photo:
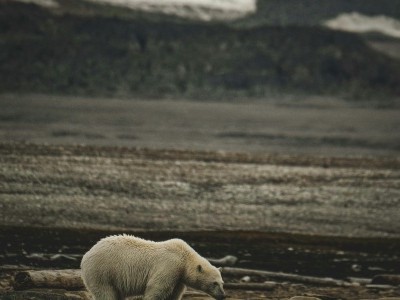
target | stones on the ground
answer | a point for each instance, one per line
(245, 279)
(386, 279)
(356, 267)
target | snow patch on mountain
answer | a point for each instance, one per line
(356, 22)
(45, 3)
(196, 9)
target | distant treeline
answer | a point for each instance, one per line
(71, 54)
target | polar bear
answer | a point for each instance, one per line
(120, 266)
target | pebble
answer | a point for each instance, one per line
(356, 268)
(245, 279)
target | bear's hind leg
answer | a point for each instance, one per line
(105, 292)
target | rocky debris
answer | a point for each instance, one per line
(245, 279)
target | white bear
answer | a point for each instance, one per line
(123, 265)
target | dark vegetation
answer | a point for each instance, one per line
(108, 54)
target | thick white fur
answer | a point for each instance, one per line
(123, 265)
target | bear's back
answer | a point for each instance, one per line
(131, 250)
(128, 241)
(177, 246)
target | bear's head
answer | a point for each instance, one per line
(205, 277)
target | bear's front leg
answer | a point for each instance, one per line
(178, 292)
(105, 292)
(163, 287)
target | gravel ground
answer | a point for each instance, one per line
(94, 187)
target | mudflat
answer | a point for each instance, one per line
(289, 125)
(313, 190)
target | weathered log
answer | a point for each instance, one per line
(359, 280)
(46, 294)
(379, 286)
(267, 286)
(226, 261)
(386, 279)
(284, 276)
(304, 298)
(65, 279)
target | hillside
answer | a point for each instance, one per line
(311, 12)
(152, 56)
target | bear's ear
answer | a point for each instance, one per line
(199, 268)
(220, 269)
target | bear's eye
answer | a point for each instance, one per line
(215, 283)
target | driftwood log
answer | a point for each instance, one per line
(359, 280)
(46, 294)
(71, 279)
(63, 279)
(227, 261)
(284, 276)
(386, 279)
(266, 286)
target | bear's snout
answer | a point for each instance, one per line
(220, 294)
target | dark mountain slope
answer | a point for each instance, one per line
(62, 53)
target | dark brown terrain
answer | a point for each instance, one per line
(310, 215)
(304, 185)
